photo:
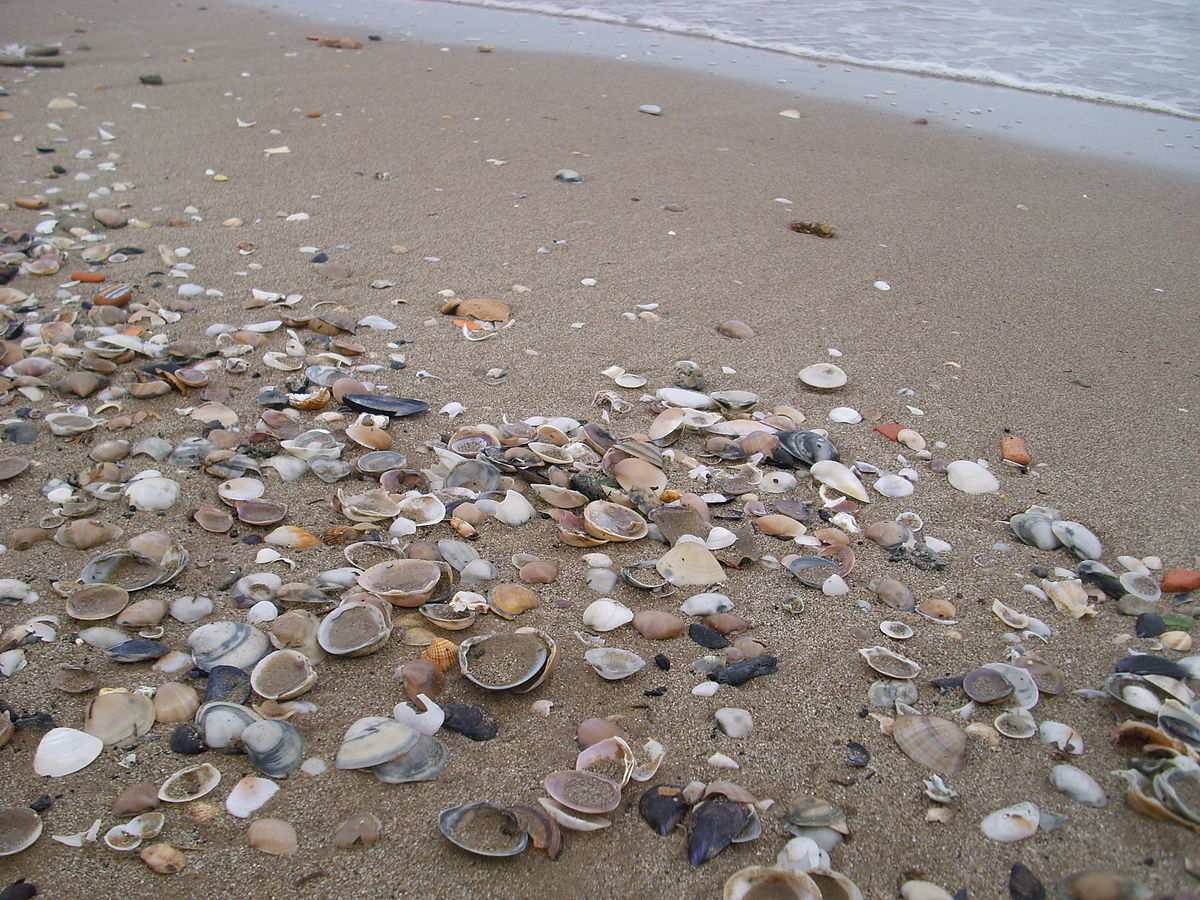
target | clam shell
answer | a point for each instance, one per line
(119, 716)
(832, 473)
(935, 743)
(273, 836)
(584, 792)
(971, 478)
(1078, 539)
(519, 661)
(606, 614)
(282, 675)
(249, 795)
(887, 662)
(175, 702)
(152, 494)
(1015, 723)
(1078, 785)
(1011, 823)
(613, 664)
(228, 644)
(276, 748)
(612, 522)
(689, 563)
(20, 826)
(771, 881)
(354, 629)
(372, 741)
(126, 569)
(483, 828)
(986, 686)
(62, 751)
(222, 723)
(405, 582)
(190, 783)
(93, 602)
(423, 761)
(824, 376)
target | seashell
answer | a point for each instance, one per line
(393, 407)
(606, 614)
(221, 723)
(655, 625)
(423, 761)
(273, 836)
(1025, 691)
(427, 722)
(971, 478)
(510, 600)
(421, 509)
(70, 680)
(1100, 885)
(118, 716)
(584, 792)
(276, 748)
(93, 602)
(62, 751)
(443, 615)
(142, 614)
(313, 443)
(405, 582)
(228, 644)
(1015, 723)
(483, 828)
(824, 376)
(125, 569)
(837, 476)
(265, 512)
(715, 824)
(986, 686)
(297, 630)
(519, 661)
(1078, 785)
(887, 662)
(772, 881)
(1062, 736)
(933, 742)
(292, 536)
(803, 447)
(476, 475)
(151, 494)
(213, 520)
(190, 783)
(613, 664)
(611, 522)
(249, 795)
(83, 534)
(689, 563)
(572, 821)
(282, 675)
(896, 630)
(175, 702)
(354, 629)
(65, 424)
(362, 828)
(235, 489)
(1033, 527)
(374, 740)
(1078, 539)
(1012, 823)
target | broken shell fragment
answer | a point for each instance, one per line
(585, 792)
(483, 828)
(890, 663)
(840, 478)
(613, 664)
(190, 784)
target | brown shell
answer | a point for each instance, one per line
(935, 743)
(442, 653)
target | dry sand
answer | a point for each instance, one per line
(1029, 291)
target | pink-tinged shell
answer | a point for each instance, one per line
(584, 792)
(935, 743)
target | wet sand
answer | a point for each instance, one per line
(1032, 291)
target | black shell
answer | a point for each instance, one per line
(663, 807)
(380, 404)
(715, 823)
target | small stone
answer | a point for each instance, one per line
(62, 103)
(735, 722)
(150, 79)
(1013, 449)
(31, 202)
(736, 329)
(650, 109)
(110, 218)
(1177, 581)
(334, 271)
(570, 176)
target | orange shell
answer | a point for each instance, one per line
(442, 653)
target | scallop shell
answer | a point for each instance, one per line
(935, 743)
(190, 783)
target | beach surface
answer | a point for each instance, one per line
(1028, 291)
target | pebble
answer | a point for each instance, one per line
(569, 176)
(735, 722)
(110, 218)
(650, 109)
(736, 329)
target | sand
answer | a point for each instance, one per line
(1043, 293)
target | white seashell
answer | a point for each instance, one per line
(971, 478)
(706, 689)
(840, 478)
(249, 795)
(1078, 785)
(427, 722)
(422, 509)
(1062, 736)
(570, 820)
(1078, 539)
(262, 611)
(825, 376)
(151, 494)
(685, 398)
(1011, 823)
(845, 415)
(606, 614)
(62, 751)
(12, 661)
(706, 604)
(779, 482)
(602, 581)
(801, 854)
(835, 586)
(719, 538)
(289, 468)
(721, 761)
(894, 486)
(513, 510)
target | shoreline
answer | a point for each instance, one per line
(1077, 125)
(1032, 292)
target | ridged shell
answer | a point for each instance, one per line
(935, 743)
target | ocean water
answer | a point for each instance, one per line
(1134, 53)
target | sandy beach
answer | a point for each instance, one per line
(1028, 291)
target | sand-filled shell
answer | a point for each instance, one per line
(62, 751)
(124, 568)
(519, 661)
(406, 582)
(20, 827)
(119, 716)
(890, 663)
(443, 615)
(297, 630)
(774, 882)
(354, 629)
(613, 663)
(611, 522)
(93, 602)
(282, 675)
(190, 783)
(228, 644)
(986, 686)
(483, 828)
(584, 792)
(933, 742)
